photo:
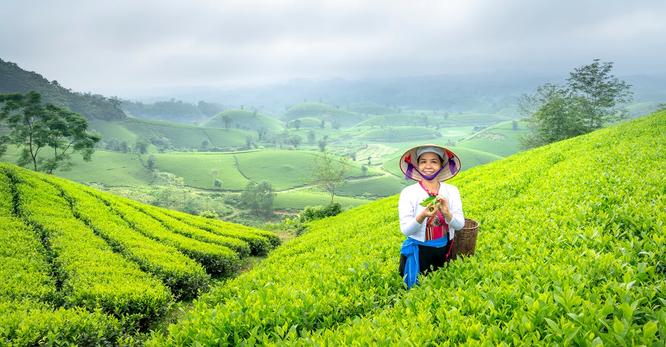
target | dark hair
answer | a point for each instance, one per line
(441, 160)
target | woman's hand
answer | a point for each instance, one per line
(443, 205)
(427, 213)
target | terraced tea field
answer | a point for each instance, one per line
(85, 266)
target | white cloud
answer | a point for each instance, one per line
(116, 47)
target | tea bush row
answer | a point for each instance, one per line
(28, 292)
(260, 243)
(218, 260)
(90, 273)
(182, 275)
(239, 246)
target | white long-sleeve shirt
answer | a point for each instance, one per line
(409, 207)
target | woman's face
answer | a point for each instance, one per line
(429, 163)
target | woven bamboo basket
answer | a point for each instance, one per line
(464, 243)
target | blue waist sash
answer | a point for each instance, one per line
(410, 249)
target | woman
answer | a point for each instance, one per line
(429, 230)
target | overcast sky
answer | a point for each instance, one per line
(124, 47)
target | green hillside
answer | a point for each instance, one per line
(16, 80)
(85, 267)
(399, 134)
(246, 120)
(500, 139)
(284, 169)
(570, 252)
(324, 112)
(170, 136)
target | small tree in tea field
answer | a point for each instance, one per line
(329, 172)
(258, 198)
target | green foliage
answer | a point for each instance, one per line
(171, 110)
(33, 127)
(37, 324)
(84, 267)
(586, 103)
(570, 251)
(311, 213)
(258, 198)
(246, 120)
(92, 106)
(185, 277)
(329, 172)
(217, 259)
(399, 134)
(260, 242)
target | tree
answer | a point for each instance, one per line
(150, 163)
(227, 121)
(34, 126)
(601, 92)
(322, 145)
(329, 172)
(311, 137)
(295, 140)
(258, 198)
(141, 146)
(557, 117)
(587, 102)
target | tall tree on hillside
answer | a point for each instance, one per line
(587, 102)
(601, 92)
(329, 172)
(34, 127)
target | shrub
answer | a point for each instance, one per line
(311, 213)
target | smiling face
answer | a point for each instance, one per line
(429, 163)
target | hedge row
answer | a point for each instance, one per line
(241, 247)
(92, 275)
(343, 267)
(216, 259)
(221, 225)
(183, 275)
(28, 292)
(35, 324)
(260, 243)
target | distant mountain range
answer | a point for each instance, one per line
(491, 93)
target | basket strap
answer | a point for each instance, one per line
(448, 254)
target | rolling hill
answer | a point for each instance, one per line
(322, 111)
(571, 251)
(242, 119)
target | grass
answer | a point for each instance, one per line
(284, 169)
(401, 133)
(242, 119)
(500, 139)
(372, 187)
(201, 169)
(299, 199)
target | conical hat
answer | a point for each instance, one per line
(409, 165)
